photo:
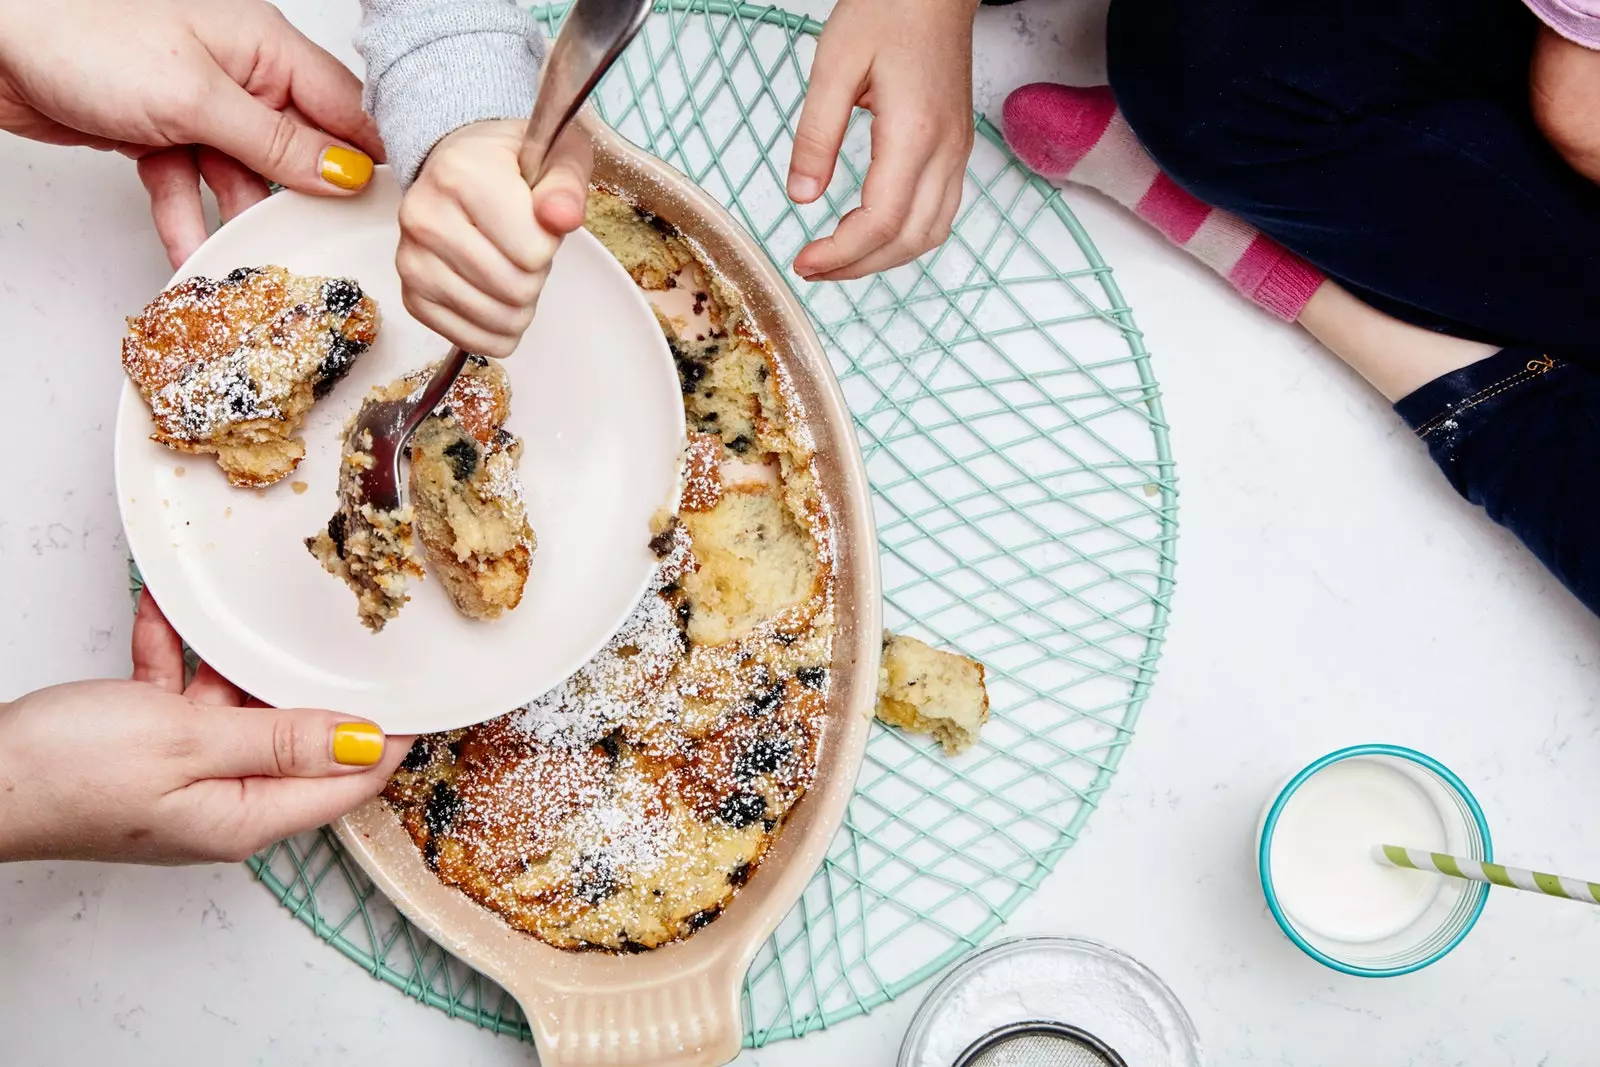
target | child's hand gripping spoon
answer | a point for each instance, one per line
(593, 36)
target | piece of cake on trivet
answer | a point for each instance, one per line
(930, 692)
(231, 366)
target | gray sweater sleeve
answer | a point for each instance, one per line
(434, 66)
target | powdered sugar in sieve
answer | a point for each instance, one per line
(1050, 1002)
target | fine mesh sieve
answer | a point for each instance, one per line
(1039, 1044)
(1050, 1002)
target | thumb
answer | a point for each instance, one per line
(285, 743)
(559, 198)
(277, 146)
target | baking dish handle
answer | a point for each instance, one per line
(686, 1021)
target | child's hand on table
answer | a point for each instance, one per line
(476, 242)
(148, 771)
(909, 62)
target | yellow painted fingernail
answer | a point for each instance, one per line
(346, 167)
(357, 744)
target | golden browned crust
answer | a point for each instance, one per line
(927, 691)
(648, 249)
(230, 366)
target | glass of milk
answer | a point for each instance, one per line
(1345, 910)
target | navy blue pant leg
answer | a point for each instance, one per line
(1390, 142)
(1518, 434)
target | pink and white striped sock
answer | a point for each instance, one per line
(1070, 134)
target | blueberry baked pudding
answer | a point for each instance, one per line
(928, 691)
(466, 496)
(370, 548)
(625, 809)
(230, 366)
(465, 506)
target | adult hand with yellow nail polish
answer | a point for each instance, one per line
(220, 90)
(153, 771)
(476, 242)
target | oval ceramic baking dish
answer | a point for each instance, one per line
(678, 1005)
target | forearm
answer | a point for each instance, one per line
(434, 66)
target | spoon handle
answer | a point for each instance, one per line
(432, 393)
(592, 37)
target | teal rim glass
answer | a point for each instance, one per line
(1460, 903)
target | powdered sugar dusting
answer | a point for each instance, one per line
(210, 355)
(502, 482)
(480, 402)
(628, 835)
(627, 680)
(702, 472)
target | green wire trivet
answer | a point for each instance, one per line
(1026, 509)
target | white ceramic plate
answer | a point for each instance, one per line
(595, 398)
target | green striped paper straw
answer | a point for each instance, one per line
(1551, 885)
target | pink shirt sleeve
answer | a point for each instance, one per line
(1576, 20)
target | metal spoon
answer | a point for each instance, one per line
(593, 36)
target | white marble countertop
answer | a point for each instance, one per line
(1331, 590)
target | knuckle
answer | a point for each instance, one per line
(418, 306)
(519, 326)
(174, 118)
(407, 262)
(809, 142)
(408, 217)
(884, 228)
(417, 221)
(451, 174)
(498, 345)
(288, 749)
(178, 111)
(919, 240)
(281, 142)
(484, 294)
(182, 743)
(501, 322)
(419, 281)
(525, 293)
